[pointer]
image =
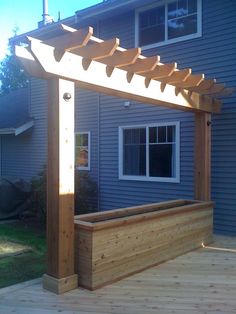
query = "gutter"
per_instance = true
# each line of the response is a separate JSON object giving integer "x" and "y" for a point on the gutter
{"x": 19, "y": 130}
{"x": 106, "y": 7}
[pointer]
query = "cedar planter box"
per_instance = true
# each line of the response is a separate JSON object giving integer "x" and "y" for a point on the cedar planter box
{"x": 114, "y": 244}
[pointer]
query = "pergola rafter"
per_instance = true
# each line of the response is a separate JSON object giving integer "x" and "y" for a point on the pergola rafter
{"x": 83, "y": 44}
{"x": 102, "y": 65}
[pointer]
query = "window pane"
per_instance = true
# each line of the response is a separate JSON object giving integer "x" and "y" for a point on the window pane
{"x": 134, "y": 136}
{"x": 153, "y": 135}
{"x": 172, "y": 10}
{"x": 134, "y": 160}
{"x": 160, "y": 160}
{"x": 85, "y": 139}
{"x": 81, "y": 150}
{"x": 152, "y": 35}
{"x": 192, "y": 6}
{"x": 81, "y": 139}
{"x": 143, "y": 136}
{"x": 161, "y": 134}
{"x": 153, "y": 18}
{"x": 78, "y": 140}
{"x": 143, "y": 20}
{"x": 81, "y": 157}
{"x": 170, "y": 134}
{"x": 134, "y": 151}
{"x": 182, "y": 26}
{"x": 182, "y": 8}
{"x": 152, "y": 26}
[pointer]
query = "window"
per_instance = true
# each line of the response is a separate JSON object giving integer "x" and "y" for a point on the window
{"x": 82, "y": 151}
{"x": 149, "y": 152}
{"x": 169, "y": 22}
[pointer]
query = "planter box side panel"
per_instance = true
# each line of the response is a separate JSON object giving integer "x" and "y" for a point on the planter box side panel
{"x": 130, "y": 248}
{"x": 83, "y": 256}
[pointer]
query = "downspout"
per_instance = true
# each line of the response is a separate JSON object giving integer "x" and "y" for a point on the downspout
{"x": 98, "y": 182}
{"x": 98, "y": 130}
{"x": 0, "y": 155}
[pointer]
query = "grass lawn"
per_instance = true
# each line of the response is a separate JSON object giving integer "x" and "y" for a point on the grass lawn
{"x": 28, "y": 264}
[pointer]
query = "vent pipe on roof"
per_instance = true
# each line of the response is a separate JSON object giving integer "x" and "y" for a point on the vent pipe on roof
{"x": 45, "y": 11}
{"x": 47, "y": 19}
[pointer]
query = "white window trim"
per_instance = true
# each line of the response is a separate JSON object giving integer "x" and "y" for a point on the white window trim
{"x": 89, "y": 150}
{"x": 175, "y": 179}
{"x": 167, "y": 41}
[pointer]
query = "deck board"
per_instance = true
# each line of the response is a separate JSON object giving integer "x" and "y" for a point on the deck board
{"x": 202, "y": 281}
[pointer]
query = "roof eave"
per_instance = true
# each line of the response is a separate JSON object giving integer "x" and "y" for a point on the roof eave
{"x": 94, "y": 12}
{"x": 18, "y": 130}
{"x": 7, "y": 131}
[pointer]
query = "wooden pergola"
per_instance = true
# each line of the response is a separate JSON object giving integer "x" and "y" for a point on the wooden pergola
{"x": 77, "y": 57}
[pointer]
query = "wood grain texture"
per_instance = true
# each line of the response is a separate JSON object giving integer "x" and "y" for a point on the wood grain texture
{"x": 133, "y": 243}
{"x": 202, "y": 156}
{"x": 141, "y": 88}
{"x": 201, "y": 281}
{"x": 60, "y": 185}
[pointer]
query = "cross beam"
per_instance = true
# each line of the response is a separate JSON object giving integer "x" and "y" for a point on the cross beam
{"x": 116, "y": 82}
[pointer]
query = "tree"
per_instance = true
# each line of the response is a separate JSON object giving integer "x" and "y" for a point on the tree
{"x": 12, "y": 75}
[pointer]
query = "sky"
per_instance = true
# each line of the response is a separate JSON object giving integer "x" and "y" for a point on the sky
{"x": 25, "y": 15}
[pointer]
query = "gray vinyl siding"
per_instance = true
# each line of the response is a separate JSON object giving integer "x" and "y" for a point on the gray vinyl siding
{"x": 120, "y": 27}
{"x": 86, "y": 120}
{"x": 25, "y": 154}
{"x": 86, "y": 114}
{"x": 213, "y": 54}
{"x": 115, "y": 193}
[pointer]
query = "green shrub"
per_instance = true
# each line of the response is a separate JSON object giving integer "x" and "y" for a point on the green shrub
{"x": 85, "y": 194}
{"x": 39, "y": 195}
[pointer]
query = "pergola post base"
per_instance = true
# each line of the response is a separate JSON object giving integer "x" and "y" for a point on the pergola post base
{"x": 61, "y": 285}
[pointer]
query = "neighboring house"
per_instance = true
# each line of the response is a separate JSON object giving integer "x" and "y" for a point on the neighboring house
{"x": 118, "y": 141}
{"x": 15, "y": 132}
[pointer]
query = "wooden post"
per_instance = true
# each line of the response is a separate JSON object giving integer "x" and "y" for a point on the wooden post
{"x": 60, "y": 275}
{"x": 203, "y": 156}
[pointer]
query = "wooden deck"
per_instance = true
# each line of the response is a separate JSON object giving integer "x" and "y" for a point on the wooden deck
{"x": 203, "y": 281}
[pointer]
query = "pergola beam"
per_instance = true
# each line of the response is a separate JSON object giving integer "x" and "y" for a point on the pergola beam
{"x": 71, "y": 67}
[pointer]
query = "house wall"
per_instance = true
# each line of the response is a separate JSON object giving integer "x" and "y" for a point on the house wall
{"x": 120, "y": 193}
{"x": 23, "y": 156}
{"x": 212, "y": 54}
{"x": 221, "y": 45}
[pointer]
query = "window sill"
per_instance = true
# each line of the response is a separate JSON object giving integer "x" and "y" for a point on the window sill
{"x": 171, "y": 41}
{"x": 149, "y": 179}
{"x": 82, "y": 169}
